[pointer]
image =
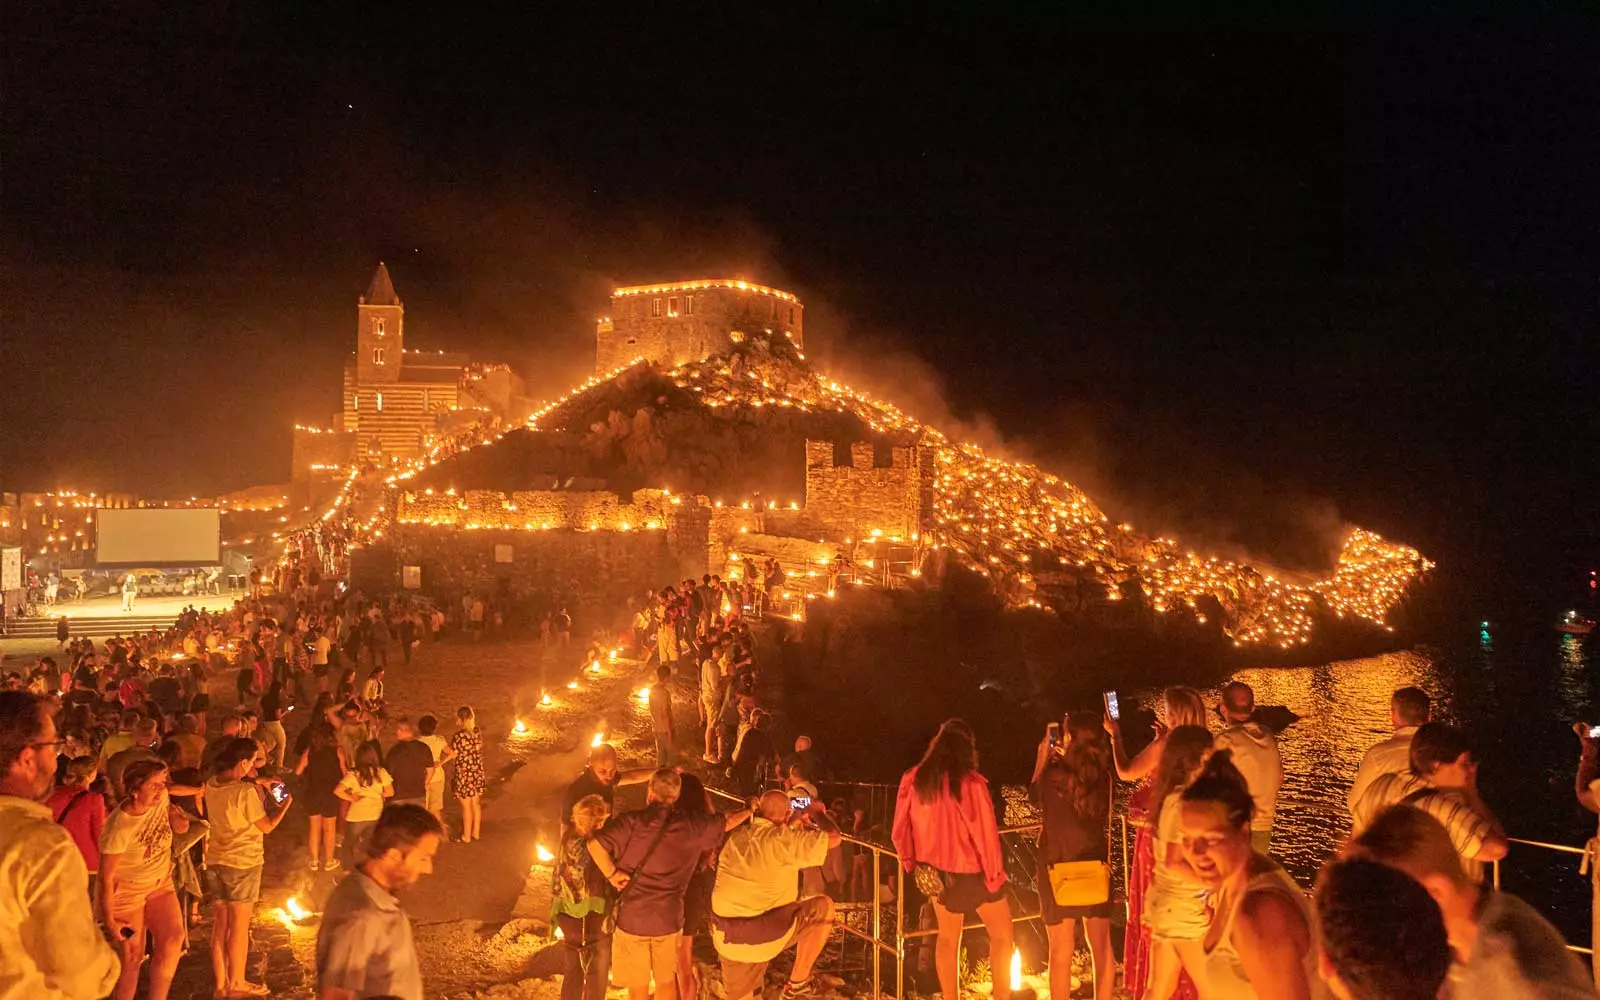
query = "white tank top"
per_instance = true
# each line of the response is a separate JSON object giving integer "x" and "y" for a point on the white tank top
{"x": 1225, "y": 976}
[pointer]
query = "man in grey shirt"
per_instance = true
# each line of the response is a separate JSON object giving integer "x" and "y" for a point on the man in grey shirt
{"x": 1504, "y": 950}
{"x": 365, "y": 948}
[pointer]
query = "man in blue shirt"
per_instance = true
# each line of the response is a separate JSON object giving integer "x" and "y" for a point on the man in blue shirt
{"x": 365, "y": 948}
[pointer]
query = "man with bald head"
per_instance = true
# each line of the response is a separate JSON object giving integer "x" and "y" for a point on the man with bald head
{"x": 756, "y": 911}
{"x": 601, "y": 777}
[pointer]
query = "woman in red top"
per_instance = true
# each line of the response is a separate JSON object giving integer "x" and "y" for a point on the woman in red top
{"x": 81, "y": 811}
{"x": 944, "y": 825}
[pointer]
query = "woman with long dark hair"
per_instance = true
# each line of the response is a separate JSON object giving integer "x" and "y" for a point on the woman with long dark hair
{"x": 365, "y": 787}
{"x": 693, "y": 798}
{"x": 945, "y": 832}
{"x": 1072, "y": 789}
{"x": 1175, "y": 906}
{"x": 323, "y": 765}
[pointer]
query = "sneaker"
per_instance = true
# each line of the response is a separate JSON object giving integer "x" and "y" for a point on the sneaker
{"x": 799, "y": 991}
{"x": 332, "y": 865}
{"x": 709, "y": 759}
{"x": 316, "y": 865}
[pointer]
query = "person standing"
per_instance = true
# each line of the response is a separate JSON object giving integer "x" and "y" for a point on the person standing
{"x": 136, "y": 889}
{"x": 428, "y": 735}
{"x": 322, "y": 764}
{"x": 1072, "y": 789}
{"x": 579, "y": 899}
{"x": 1380, "y": 936}
{"x": 1258, "y": 942}
{"x": 1444, "y": 784}
{"x": 366, "y": 787}
{"x": 81, "y": 810}
{"x": 660, "y": 695}
{"x": 235, "y": 853}
{"x": 409, "y": 762}
{"x": 601, "y": 776}
{"x": 1174, "y": 913}
{"x": 1255, "y": 754}
{"x": 467, "y": 785}
{"x": 650, "y": 856}
{"x": 130, "y": 590}
{"x": 364, "y": 946}
{"x": 1504, "y": 950}
{"x": 50, "y": 946}
{"x": 1408, "y": 709}
{"x": 945, "y": 832}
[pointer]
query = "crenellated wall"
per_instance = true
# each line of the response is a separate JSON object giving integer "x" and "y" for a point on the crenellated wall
{"x": 856, "y": 499}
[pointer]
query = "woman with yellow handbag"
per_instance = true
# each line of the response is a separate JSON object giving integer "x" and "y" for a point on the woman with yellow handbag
{"x": 1072, "y": 789}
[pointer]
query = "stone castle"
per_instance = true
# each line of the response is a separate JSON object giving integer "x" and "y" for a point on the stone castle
{"x": 593, "y": 543}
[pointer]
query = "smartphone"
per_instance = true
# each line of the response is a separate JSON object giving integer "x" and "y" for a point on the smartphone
{"x": 278, "y": 792}
{"x": 1594, "y": 732}
{"x": 1053, "y": 733}
{"x": 800, "y": 802}
{"x": 1112, "y": 708}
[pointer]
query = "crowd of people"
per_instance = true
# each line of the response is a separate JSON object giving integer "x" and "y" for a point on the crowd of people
{"x": 127, "y": 816}
{"x": 124, "y": 815}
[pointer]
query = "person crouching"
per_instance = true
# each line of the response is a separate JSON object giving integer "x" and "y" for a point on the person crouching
{"x": 756, "y": 911}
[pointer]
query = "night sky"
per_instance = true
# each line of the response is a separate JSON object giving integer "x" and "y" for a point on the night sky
{"x": 1244, "y": 280}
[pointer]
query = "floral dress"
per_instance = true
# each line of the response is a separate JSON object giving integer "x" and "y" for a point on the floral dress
{"x": 468, "y": 780}
{"x": 1136, "y": 938}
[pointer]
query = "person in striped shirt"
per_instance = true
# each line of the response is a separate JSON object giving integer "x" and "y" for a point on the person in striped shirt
{"x": 1443, "y": 782}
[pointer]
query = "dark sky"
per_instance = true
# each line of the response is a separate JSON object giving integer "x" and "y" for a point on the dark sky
{"x": 1238, "y": 277}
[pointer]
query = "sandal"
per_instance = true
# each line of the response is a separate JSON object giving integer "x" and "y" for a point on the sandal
{"x": 331, "y": 865}
{"x": 250, "y": 990}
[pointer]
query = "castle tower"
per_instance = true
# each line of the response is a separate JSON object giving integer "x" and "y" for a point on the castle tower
{"x": 380, "y": 336}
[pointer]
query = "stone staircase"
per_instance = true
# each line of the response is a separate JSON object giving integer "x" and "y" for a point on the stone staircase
{"x": 98, "y": 626}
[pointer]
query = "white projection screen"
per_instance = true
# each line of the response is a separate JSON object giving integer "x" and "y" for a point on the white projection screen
{"x": 157, "y": 536}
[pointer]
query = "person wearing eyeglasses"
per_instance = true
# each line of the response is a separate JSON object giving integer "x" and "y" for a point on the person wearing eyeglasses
{"x": 52, "y": 949}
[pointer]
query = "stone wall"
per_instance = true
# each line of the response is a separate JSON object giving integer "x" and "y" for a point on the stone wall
{"x": 687, "y": 321}
{"x": 546, "y": 510}
{"x": 855, "y": 500}
{"x": 593, "y": 573}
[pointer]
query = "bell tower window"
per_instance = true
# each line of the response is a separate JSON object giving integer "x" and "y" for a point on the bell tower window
{"x": 377, "y": 326}
{"x": 379, "y": 355}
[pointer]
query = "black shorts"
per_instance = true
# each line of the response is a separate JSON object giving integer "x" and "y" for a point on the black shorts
{"x": 200, "y": 703}
{"x": 964, "y": 892}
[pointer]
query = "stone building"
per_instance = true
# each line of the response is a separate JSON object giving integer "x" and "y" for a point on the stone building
{"x": 397, "y": 401}
{"x": 685, "y": 321}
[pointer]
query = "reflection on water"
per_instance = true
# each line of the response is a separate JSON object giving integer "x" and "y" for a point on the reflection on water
{"x": 1518, "y": 699}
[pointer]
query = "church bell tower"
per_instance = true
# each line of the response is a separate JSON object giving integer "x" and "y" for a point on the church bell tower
{"x": 380, "y": 335}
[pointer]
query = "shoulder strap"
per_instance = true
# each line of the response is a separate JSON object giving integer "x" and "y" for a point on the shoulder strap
{"x": 661, "y": 831}
{"x": 62, "y": 818}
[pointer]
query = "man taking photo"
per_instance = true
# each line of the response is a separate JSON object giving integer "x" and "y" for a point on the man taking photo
{"x": 756, "y": 911}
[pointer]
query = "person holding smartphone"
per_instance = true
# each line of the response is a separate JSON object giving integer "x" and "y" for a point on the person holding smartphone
{"x": 1071, "y": 787}
{"x": 235, "y": 852}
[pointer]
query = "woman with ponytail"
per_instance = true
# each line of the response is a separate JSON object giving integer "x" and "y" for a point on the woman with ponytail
{"x": 1259, "y": 943}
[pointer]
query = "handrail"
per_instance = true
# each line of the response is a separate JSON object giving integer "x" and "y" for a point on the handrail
{"x": 902, "y": 936}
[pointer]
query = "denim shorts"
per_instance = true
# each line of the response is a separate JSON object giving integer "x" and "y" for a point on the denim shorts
{"x": 233, "y": 885}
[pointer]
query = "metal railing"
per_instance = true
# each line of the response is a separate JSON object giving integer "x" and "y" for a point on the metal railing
{"x": 1581, "y": 852}
{"x": 880, "y": 944}
{"x": 876, "y": 939}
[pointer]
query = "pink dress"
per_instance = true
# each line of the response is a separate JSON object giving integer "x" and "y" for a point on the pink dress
{"x": 1136, "y": 939}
